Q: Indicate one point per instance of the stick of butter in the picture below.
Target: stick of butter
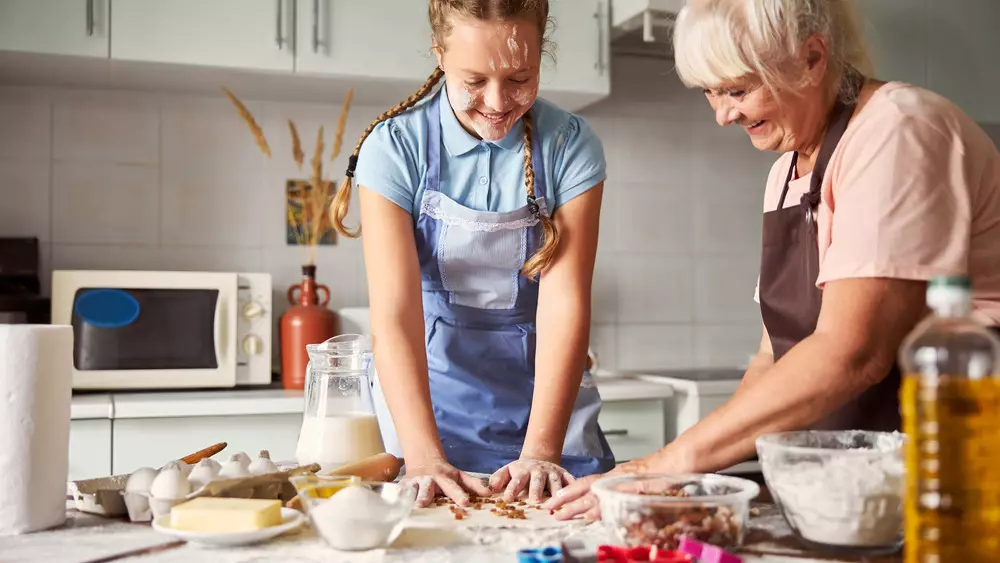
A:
(212, 514)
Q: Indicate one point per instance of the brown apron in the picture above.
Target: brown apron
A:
(790, 301)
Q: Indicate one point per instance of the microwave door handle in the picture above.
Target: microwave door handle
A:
(218, 330)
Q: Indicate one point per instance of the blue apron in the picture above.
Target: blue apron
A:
(479, 318)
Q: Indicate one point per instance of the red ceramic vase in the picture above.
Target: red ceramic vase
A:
(307, 321)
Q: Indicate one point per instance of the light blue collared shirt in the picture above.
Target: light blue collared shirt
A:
(482, 175)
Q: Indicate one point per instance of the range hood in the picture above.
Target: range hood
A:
(643, 27)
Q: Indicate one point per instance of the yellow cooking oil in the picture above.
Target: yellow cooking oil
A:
(950, 405)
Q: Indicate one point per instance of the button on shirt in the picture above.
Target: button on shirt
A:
(482, 175)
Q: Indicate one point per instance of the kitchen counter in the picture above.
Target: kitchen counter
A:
(240, 402)
(87, 538)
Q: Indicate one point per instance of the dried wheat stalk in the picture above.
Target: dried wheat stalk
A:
(316, 196)
(258, 133)
(297, 153)
(338, 138)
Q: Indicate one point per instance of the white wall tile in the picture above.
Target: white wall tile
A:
(25, 197)
(725, 166)
(209, 133)
(654, 220)
(726, 345)
(26, 116)
(604, 343)
(725, 287)
(105, 257)
(651, 347)
(212, 258)
(106, 127)
(728, 226)
(651, 151)
(655, 289)
(340, 271)
(104, 204)
(604, 292)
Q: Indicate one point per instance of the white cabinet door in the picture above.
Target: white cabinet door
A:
(633, 428)
(252, 34)
(64, 27)
(896, 34)
(370, 38)
(963, 55)
(152, 442)
(89, 449)
(581, 37)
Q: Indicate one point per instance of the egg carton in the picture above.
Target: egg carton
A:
(134, 494)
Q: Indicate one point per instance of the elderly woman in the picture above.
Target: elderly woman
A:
(879, 187)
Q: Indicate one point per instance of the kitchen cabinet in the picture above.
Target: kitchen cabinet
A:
(151, 442)
(89, 448)
(634, 428)
(962, 64)
(374, 38)
(251, 34)
(61, 27)
(581, 35)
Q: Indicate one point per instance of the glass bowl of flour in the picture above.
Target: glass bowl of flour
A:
(360, 516)
(839, 491)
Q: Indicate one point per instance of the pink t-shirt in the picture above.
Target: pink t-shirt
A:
(911, 192)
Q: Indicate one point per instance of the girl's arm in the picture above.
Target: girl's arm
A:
(400, 353)
(563, 325)
(563, 334)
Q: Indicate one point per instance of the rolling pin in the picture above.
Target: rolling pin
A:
(202, 454)
(382, 467)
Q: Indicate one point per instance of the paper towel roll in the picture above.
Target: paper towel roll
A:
(36, 386)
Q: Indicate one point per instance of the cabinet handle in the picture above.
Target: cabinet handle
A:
(623, 432)
(599, 18)
(90, 18)
(278, 36)
(315, 26)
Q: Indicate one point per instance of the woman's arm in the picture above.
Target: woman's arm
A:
(397, 322)
(861, 325)
(563, 324)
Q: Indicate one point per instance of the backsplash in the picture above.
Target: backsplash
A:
(138, 180)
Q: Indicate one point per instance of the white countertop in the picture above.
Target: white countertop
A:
(279, 401)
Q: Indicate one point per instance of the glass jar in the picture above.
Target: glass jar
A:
(339, 425)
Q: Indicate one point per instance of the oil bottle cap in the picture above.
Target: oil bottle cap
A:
(962, 282)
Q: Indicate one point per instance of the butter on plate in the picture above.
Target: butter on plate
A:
(212, 514)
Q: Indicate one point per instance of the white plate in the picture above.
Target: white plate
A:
(290, 519)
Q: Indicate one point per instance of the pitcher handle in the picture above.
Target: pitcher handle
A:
(291, 293)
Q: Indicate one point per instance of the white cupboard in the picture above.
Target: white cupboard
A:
(89, 448)
(581, 35)
(60, 27)
(389, 39)
(250, 34)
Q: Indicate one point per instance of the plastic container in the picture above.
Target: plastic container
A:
(659, 510)
(840, 491)
(359, 517)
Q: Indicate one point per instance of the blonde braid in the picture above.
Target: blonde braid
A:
(550, 236)
(338, 211)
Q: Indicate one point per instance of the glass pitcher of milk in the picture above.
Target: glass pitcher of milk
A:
(339, 425)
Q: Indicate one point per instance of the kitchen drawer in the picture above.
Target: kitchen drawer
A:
(89, 449)
(151, 442)
(633, 428)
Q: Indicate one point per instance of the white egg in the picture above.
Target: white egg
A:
(233, 468)
(140, 480)
(243, 457)
(184, 467)
(203, 473)
(263, 464)
(170, 484)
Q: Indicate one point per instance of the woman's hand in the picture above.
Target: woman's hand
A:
(535, 474)
(437, 475)
(577, 499)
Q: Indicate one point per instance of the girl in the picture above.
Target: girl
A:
(481, 206)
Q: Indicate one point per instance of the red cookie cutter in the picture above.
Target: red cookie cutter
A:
(616, 554)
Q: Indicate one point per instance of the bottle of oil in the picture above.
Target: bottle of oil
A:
(950, 403)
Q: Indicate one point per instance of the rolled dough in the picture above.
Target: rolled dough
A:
(442, 517)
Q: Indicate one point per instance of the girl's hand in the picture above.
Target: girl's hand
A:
(437, 475)
(577, 498)
(534, 474)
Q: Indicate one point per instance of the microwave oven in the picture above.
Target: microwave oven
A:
(163, 330)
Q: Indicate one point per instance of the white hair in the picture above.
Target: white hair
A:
(719, 41)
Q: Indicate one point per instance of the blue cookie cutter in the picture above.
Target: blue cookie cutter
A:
(545, 555)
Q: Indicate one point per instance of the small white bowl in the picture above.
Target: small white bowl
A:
(290, 520)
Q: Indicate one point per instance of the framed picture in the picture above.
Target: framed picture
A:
(298, 220)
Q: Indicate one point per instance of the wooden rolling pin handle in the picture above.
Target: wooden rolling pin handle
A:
(383, 467)
(202, 454)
